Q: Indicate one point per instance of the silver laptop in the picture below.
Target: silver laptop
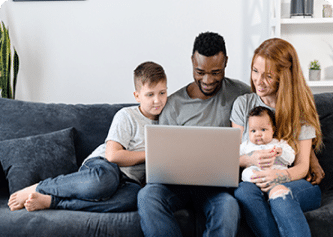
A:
(192, 155)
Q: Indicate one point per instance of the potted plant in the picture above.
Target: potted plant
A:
(7, 80)
(314, 71)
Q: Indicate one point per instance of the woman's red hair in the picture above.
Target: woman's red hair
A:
(295, 103)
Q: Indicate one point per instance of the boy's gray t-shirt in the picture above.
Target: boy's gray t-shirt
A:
(127, 129)
(243, 105)
(215, 111)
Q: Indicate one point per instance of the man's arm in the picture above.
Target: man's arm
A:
(316, 172)
(116, 153)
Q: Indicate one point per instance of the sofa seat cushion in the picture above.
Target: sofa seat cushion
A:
(65, 223)
(320, 220)
(28, 160)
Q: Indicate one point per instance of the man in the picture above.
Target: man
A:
(205, 102)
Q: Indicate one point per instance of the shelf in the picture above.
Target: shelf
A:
(290, 21)
(324, 83)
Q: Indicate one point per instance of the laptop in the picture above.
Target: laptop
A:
(190, 155)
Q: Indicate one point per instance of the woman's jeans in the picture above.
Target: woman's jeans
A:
(158, 202)
(98, 186)
(281, 215)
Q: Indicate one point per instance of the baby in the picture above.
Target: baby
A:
(261, 131)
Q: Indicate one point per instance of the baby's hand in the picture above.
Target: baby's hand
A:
(278, 151)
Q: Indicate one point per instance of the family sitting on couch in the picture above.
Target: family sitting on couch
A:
(116, 168)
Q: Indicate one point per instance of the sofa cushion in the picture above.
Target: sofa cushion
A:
(324, 104)
(28, 160)
(23, 118)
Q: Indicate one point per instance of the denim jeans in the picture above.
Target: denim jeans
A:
(98, 186)
(279, 216)
(158, 202)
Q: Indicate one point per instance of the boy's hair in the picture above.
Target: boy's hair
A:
(209, 44)
(260, 111)
(148, 72)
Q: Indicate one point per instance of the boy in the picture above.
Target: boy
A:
(100, 185)
(261, 131)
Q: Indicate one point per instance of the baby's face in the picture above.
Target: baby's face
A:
(260, 129)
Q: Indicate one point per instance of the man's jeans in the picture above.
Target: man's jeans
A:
(98, 186)
(158, 202)
(279, 216)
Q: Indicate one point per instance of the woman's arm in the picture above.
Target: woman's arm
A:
(240, 127)
(244, 159)
(267, 179)
(302, 161)
(116, 153)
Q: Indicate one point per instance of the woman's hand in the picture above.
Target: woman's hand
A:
(269, 178)
(263, 158)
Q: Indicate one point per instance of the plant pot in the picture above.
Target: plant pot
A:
(314, 75)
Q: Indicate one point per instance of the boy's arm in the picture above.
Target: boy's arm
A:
(116, 153)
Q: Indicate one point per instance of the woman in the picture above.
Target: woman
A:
(274, 202)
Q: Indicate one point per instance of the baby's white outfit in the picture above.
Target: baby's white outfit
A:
(281, 162)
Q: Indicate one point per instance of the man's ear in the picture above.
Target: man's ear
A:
(136, 96)
(226, 62)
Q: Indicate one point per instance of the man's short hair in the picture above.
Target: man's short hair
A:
(148, 72)
(209, 44)
(260, 111)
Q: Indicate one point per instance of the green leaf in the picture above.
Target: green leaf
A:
(16, 69)
(7, 82)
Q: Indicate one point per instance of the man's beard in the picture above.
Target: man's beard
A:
(210, 93)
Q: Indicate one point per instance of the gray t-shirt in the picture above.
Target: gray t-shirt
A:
(243, 105)
(127, 129)
(215, 111)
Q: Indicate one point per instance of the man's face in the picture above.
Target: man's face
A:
(208, 72)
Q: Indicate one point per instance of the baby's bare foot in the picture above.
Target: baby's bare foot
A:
(37, 201)
(17, 199)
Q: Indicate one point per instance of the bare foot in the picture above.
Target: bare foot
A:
(37, 201)
(16, 200)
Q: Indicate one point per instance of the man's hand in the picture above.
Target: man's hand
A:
(316, 173)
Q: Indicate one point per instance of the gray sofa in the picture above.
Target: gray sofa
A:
(40, 140)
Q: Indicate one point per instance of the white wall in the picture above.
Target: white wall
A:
(86, 51)
(311, 41)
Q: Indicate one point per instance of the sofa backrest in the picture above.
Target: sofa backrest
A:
(91, 122)
(324, 104)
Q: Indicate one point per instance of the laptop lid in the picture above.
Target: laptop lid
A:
(191, 155)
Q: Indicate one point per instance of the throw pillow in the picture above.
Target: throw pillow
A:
(28, 160)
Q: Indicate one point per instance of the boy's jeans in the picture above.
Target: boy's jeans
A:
(158, 202)
(98, 186)
(280, 216)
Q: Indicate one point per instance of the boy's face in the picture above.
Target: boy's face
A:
(152, 99)
(260, 129)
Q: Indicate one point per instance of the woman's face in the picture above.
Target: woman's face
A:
(262, 81)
